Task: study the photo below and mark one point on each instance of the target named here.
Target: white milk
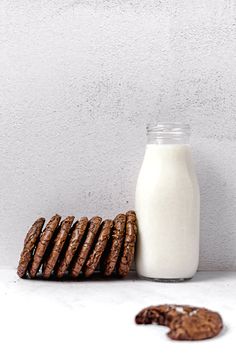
(167, 207)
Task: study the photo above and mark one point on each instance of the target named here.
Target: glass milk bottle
(167, 206)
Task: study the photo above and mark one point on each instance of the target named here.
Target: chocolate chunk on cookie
(99, 248)
(118, 234)
(128, 250)
(44, 240)
(30, 242)
(77, 234)
(80, 259)
(57, 246)
(185, 322)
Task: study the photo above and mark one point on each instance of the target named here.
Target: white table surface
(96, 317)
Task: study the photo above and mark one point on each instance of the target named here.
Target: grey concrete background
(79, 80)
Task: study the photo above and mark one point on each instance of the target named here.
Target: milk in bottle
(167, 206)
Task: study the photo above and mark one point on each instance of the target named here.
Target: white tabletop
(97, 317)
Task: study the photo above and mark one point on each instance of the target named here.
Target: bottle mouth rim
(173, 128)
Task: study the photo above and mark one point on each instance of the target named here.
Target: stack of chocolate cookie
(66, 248)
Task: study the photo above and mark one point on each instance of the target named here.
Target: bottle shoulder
(168, 165)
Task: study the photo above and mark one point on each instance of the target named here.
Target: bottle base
(165, 280)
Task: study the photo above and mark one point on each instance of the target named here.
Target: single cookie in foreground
(127, 254)
(30, 242)
(118, 234)
(99, 248)
(58, 244)
(93, 228)
(185, 322)
(77, 234)
(44, 240)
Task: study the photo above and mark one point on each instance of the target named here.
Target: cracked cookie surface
(93, 228)
(96, 254)
(118, 234)
(30, 243)
(78, 231)
(127, 253)
(44, 241)
(57, 246)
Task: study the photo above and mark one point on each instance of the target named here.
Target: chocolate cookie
(77, 234)
(118, 235)
(43, 244)
(99, 248)
(127, 254)
(57, 246)
(185, 322)
(30, 242)
(93, 228)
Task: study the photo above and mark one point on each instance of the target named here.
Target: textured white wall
(78, 82)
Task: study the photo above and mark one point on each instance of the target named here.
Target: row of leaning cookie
(64, 247)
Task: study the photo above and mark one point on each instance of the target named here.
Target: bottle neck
(168, 133)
